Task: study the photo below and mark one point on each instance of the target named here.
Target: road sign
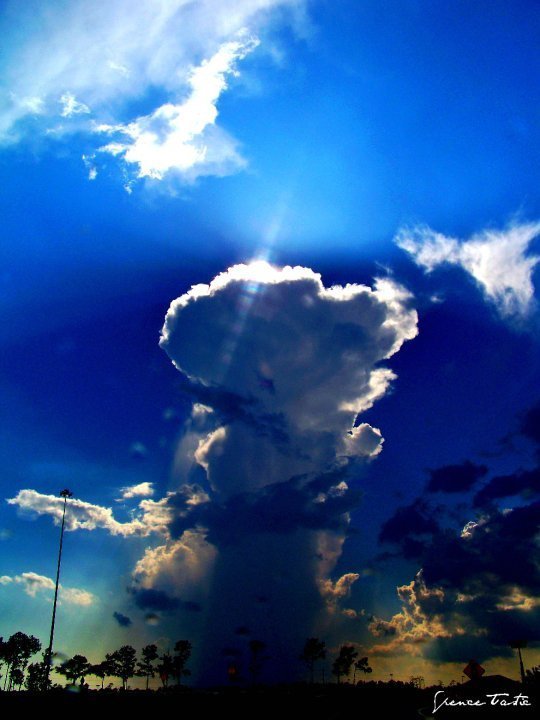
(474, 670)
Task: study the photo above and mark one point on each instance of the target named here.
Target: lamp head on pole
(66, 493)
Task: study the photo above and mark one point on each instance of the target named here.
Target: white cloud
(71, 106)
(279, 336)
(33, 584)
(304, 353)
(302, 361)
(363, 441)
(114, 56)
(497, 259)
(152, 517)
(76, 596)
(179, 566)
(144, 489)
(183, 136)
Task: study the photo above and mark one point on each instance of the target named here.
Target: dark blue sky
(348, 122)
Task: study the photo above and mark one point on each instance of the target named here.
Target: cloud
(75, 596)
(455, 478)
(363, 441)
(122, 620)
(498, 260)
(98, 63)
(530, 424)
(408, 524)
(153, 516)
(184, 137)
(321, 356)
(33, 584)
(287, 366)
(321, 503)
(334, 592)
(71, 106)
(152, 618)
(180, 566)
(149, 599)
(477, 590)
(418, 622)
(144, 489)
(522, 482)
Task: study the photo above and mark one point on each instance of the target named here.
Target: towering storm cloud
(280, 369)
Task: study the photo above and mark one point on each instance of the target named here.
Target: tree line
(170, 667)
(16, 652)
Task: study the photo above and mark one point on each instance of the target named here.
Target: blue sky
(144, 152)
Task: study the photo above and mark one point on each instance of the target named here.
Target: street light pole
(48, 654)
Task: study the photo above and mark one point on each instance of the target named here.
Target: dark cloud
(320, 503)
(152, 599)
(122, 620)
(234, 407)
(231, 652)
(530, 425)
(502, 547)
(484, 581)
(455, 478)
(461, 648)
(408, 523)
(523, 482)
(382, 628)
(151, 618)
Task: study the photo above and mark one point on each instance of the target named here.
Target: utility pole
(519, 645)
(48, 653)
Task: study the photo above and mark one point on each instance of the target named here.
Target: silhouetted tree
(314, 649)
(145, 666)
(100, 670)
(123, 663)
(362, 665)
(532, 676)
(75, 668)
(165, 668)
(182, 653)
(3, 653)
(343, 663)
(256, 659)
(17, 678)
(37, 676)
(16, 652)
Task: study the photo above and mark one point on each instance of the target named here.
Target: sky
(270, 311)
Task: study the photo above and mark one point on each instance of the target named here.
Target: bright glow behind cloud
(287, 364)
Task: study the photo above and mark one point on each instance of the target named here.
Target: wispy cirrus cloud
(498, 260)
(92, 64)
(184, 136)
